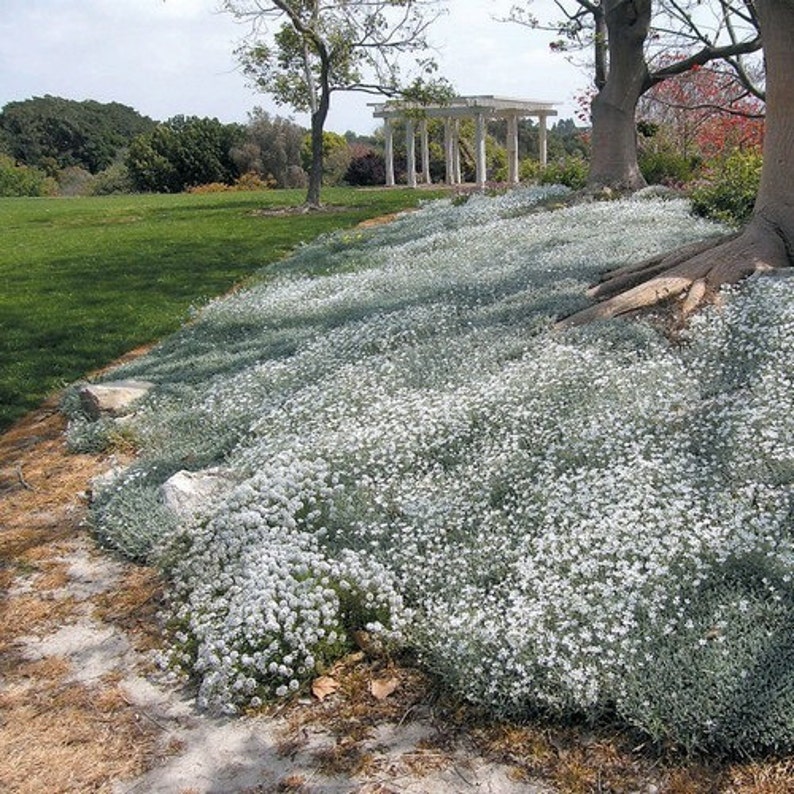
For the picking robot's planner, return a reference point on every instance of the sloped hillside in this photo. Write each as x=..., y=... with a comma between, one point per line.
x=399, y=442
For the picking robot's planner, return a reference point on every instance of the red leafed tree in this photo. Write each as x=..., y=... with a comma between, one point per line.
x=705, y=111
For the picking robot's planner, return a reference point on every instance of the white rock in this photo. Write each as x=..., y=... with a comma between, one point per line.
x=190, y=494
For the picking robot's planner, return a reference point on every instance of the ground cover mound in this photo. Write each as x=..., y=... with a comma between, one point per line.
x=84, y=712
x=552, y=520
x=368, y=725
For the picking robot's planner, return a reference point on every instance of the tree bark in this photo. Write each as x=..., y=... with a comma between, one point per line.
x=600, y=46
x=774, y=207
x=316, y=168
x=614, y=138
x=318, y=118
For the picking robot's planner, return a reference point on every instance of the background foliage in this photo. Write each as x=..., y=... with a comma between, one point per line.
x=51, y=133
x=23, y=180
x=182, y=153
x=272, y=149
x=728, y=190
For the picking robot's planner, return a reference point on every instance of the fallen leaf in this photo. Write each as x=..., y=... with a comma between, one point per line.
x=370, y=644
x=324, y=686
x=343, y=664
x=362, y=639
x=381, y=688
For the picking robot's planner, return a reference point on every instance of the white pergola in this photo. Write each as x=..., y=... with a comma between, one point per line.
x=481, y=109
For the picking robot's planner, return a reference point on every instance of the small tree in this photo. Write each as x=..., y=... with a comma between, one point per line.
x=705, y=112
x=272, y=149
x=302, y=51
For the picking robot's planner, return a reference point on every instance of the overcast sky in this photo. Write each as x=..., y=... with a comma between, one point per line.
x=170, y=57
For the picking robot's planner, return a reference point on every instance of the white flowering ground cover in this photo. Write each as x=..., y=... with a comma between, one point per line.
x=590, y=521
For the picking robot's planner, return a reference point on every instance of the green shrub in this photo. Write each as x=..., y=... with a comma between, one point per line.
x=729, y=193
x=74, y=181
x=664, y=166
x=569, y=171
x=367, y=167
x=113, y=180
x=496, y=159
x=20, y=180
x=529, y=169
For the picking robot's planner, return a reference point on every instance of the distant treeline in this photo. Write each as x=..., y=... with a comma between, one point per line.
x=50, y=145
x=51, y=133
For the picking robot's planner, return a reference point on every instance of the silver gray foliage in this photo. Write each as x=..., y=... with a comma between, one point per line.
x=585, y=521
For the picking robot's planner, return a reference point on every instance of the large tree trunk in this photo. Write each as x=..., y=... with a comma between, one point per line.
x=613, y=161
x=774, y=207
x=693, y=274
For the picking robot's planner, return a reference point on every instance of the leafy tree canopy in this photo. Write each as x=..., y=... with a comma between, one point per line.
x=314, y=49
x=183, y=152
x=52, y=133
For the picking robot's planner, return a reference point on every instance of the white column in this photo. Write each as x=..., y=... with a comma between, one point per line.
x=425, y=151
x=512, y=149
x=410, y=152
x=449, y=157
x=388, y=153
x=479, y=149
x=542, y=153
x=456, y=178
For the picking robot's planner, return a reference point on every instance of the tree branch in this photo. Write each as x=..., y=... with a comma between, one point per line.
x=703, y=57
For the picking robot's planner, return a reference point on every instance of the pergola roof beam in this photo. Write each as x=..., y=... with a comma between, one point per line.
x=465, y=106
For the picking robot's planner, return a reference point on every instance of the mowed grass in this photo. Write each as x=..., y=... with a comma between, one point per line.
x=84, y=280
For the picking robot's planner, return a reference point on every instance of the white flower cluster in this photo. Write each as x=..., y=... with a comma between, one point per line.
x=259, y=605
x=551, y=519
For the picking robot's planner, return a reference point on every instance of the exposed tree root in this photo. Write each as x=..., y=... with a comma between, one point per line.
x=685, y=278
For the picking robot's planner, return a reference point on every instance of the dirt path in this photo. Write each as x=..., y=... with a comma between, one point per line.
x=84, y=709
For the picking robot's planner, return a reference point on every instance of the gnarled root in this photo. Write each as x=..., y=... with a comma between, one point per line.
x=689, y=275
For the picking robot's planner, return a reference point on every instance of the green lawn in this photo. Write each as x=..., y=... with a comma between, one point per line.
x=83, y=280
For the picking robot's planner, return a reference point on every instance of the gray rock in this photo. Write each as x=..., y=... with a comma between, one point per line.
x=113, y=398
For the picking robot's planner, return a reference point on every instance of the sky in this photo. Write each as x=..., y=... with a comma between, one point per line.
x=170, y=57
